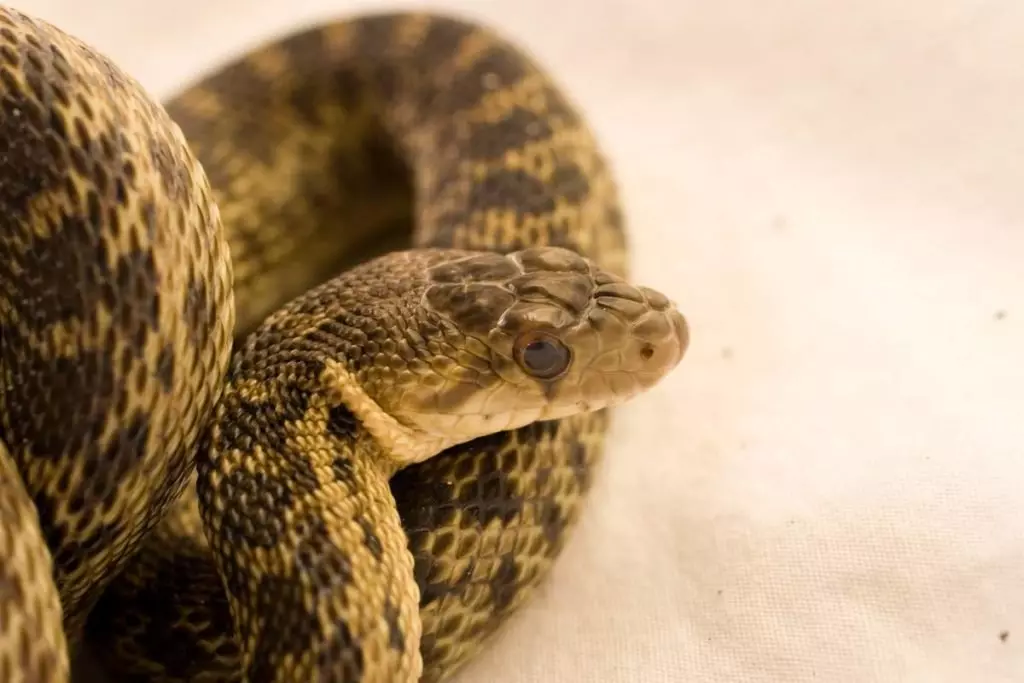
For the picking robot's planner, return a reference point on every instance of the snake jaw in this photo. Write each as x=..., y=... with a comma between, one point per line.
x=399, y=438
x=616, y=340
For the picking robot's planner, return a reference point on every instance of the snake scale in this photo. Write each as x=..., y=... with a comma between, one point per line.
x=306, y=371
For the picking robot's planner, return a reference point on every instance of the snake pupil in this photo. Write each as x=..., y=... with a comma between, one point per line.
x=545, y=358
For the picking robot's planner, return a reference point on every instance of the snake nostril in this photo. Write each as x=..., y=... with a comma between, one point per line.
x=646, y=351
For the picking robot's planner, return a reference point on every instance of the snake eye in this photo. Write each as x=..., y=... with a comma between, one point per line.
x=542, y=356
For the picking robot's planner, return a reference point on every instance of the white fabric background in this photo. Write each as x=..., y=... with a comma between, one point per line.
x=829, y=487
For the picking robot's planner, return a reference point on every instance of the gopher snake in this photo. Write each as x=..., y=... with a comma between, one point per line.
x=220, y=515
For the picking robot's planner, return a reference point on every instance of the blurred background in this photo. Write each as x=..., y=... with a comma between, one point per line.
x=830, y=486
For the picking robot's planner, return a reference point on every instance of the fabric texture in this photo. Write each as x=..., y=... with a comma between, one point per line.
x=829, y=487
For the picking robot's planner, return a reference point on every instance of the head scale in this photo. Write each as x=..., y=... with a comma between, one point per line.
x=538, y=334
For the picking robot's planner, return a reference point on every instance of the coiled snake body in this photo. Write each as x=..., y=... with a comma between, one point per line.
x=275, y=513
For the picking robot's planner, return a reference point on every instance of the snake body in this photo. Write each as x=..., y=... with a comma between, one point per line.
x=390, y=460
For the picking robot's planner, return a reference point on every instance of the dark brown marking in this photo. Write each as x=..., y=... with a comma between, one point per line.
x=504, y=583
x=373, y=50
x=490, y=494
x=497, y=68
x=341, y=423
x=370, y=539
x=134, y=279
x=174, y=177
x=254, y=506
x=307, y=52
x=511, y=189
x=424, y=494
x=475, y=308
x=434, y=587
x=580, y=463
x=321, y=569
x=184, y=648
x=319, y=561
x=198, y=309
x=70, y=552
x=68, y=275
x=396, y=639
x=519, y=127
x=344, y=471
x=442, y=542
x=249, y=424
x=341, y=656
x=444, y=35
x=553, y=521
x=570, y=184
x=67, y=425
x=165, y=367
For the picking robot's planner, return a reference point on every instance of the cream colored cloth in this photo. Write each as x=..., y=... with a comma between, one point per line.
x=829, y=488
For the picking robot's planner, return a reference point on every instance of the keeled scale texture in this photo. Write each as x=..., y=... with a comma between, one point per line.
x=321, y=148
x=32, y=642
x=324, y=144
x=115, y=317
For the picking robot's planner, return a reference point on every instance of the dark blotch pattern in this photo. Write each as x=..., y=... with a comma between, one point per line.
x=308, y=95
x=370, y=539
x=195, y=645
x=512, y=189
x=376, y=63
x=343, y=471
x=197, y=309
x=503, y=583
x=255, y=502
x=341, y=658
x=490, y=141
x=165, y=367
x=525, y=485
x=66, y=425
x=489, y=481
x=497, y=69
x=395, y=637
x=37, y=159
x=553, y=521
x=288, y=631
x=85, y=258
x=444, y=36
x=489, y=494
x=341, y=423
x=435, y=587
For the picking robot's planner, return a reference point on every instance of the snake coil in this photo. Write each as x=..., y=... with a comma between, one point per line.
x=305, y=373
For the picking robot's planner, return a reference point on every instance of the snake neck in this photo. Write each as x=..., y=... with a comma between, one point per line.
x=332, y=535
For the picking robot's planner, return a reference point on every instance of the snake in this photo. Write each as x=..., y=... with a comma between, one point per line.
x=306, y=371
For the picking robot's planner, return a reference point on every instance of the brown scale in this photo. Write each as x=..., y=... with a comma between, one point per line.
x=324, y=149
x=111, y=358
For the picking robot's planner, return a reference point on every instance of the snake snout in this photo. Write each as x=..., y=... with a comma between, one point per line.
x=660, y=341
x=536, y=335
x=638, y=337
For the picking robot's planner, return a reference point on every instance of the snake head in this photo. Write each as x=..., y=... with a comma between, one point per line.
x=537, y=334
